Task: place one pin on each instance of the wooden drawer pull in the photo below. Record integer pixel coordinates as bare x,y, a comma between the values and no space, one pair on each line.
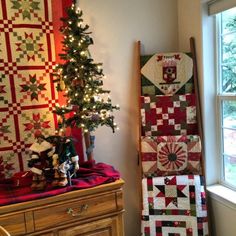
81,210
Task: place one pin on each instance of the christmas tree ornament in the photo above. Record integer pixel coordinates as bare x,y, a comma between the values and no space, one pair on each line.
62,84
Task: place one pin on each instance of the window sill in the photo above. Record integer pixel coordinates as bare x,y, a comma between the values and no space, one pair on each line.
223,195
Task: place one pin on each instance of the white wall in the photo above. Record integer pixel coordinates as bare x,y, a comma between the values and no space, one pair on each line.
116,25
222,218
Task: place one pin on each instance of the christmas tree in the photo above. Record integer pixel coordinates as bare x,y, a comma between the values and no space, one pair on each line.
88,105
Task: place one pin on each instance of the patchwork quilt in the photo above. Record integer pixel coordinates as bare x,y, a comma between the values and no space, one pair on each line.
171,155
166,73
28,32
168,115
174,206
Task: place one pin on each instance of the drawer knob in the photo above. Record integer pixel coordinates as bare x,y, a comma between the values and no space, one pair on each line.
79,212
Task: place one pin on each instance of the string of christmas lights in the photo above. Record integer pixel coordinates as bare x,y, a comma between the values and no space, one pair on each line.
88,105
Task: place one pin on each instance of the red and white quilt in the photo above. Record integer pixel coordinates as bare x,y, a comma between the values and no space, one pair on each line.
171,155
28,32
174,205
168,115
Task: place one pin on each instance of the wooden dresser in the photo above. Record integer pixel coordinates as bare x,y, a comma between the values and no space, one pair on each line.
96,211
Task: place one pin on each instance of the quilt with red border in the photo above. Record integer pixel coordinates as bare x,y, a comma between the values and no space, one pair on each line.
29,43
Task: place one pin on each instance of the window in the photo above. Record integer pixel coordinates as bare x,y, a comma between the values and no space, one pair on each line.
226,93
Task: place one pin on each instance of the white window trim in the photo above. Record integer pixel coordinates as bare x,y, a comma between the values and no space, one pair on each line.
223,194
221,97
209,72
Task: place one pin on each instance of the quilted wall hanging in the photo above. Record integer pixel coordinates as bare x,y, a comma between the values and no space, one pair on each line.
29,44
169,73
171,155
168,115
174,205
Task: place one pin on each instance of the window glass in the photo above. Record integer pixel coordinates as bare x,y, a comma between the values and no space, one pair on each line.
227,93
227,22
228,46
230,170
229,114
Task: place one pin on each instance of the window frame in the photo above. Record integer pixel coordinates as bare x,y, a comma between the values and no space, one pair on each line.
220,97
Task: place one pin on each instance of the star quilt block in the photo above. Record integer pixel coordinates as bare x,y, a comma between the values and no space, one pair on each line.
171,155
168,115
174,205
28,32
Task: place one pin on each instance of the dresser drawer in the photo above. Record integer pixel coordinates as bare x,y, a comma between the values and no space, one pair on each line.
53,216
104,227
14,224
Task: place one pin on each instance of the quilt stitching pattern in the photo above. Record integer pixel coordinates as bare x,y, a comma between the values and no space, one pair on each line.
168,73
27,91
174,205
168,115
169,155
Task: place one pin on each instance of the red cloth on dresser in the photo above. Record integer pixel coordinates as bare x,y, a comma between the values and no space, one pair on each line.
89,175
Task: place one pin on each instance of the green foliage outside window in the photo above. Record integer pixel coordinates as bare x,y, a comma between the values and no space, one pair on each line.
228,60
228,92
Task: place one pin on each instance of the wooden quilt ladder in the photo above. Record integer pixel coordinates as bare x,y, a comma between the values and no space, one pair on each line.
170,145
